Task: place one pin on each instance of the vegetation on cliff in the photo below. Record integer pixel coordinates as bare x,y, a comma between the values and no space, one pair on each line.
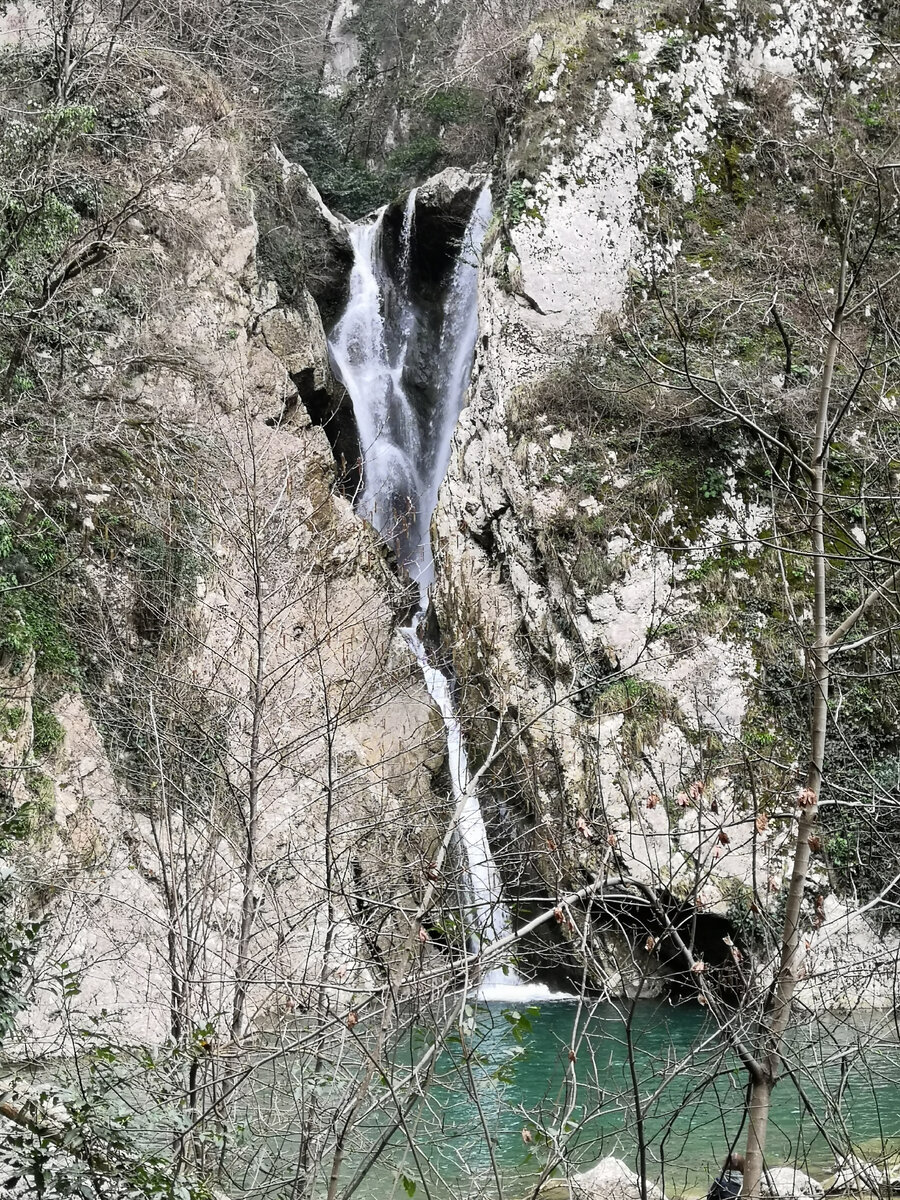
230,888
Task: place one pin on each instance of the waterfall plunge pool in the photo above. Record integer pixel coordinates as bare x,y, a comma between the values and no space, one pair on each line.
511,1072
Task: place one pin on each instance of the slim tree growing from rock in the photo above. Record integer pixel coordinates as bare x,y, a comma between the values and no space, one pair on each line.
850,384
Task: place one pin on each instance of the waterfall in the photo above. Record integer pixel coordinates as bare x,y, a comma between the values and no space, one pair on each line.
370,366
404,464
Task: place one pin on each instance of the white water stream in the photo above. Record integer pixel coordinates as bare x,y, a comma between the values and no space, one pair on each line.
404,464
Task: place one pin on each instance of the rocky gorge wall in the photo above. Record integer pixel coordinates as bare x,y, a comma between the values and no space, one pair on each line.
237,739
600,551
603,587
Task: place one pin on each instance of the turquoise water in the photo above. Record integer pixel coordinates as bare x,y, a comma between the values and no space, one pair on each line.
512,1072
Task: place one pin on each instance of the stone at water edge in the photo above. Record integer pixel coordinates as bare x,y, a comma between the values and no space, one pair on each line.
609,1179
855,1174
787,1183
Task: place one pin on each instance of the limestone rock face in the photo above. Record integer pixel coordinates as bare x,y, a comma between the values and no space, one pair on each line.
24,24
608,715
295,336
515,624
110,932
573,261
304,239
270,692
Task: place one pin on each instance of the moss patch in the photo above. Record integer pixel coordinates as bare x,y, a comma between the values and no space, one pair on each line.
644,706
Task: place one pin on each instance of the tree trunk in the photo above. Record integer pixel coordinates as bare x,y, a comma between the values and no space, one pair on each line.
779,1012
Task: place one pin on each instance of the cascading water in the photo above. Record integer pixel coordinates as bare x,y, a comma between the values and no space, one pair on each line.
405,459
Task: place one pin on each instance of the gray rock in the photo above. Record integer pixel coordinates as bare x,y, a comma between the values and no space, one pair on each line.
451,193
302,243
787,1183
854,1175
610,1179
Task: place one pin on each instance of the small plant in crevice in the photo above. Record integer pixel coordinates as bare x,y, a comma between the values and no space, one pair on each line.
712,484
658,180
48,732
645,707
516,203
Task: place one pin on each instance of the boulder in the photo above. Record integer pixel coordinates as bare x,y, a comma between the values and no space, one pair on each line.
450,194
610,1179
295,336
855,1175
443,206
787,1183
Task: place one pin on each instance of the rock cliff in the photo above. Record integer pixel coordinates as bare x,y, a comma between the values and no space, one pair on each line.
604,579
233,739
210,712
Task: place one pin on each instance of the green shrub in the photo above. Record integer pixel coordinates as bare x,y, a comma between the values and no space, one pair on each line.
516,203
18,938
451,105
30,621
31,547
48,733
42,804
668,57
657,179
314,138
416,158
712,485
11,718
519,204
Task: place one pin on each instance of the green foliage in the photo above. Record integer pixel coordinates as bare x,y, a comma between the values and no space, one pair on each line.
519,204
657,179
668,57
840,851
31,546
516,203
42,790
748,924
48,733
39,810
99,1151
11,718
712,485
18,936
521,1022
416,158
645,707
30,620
166,568
725,168
352,181
314,138
451,105
37,221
